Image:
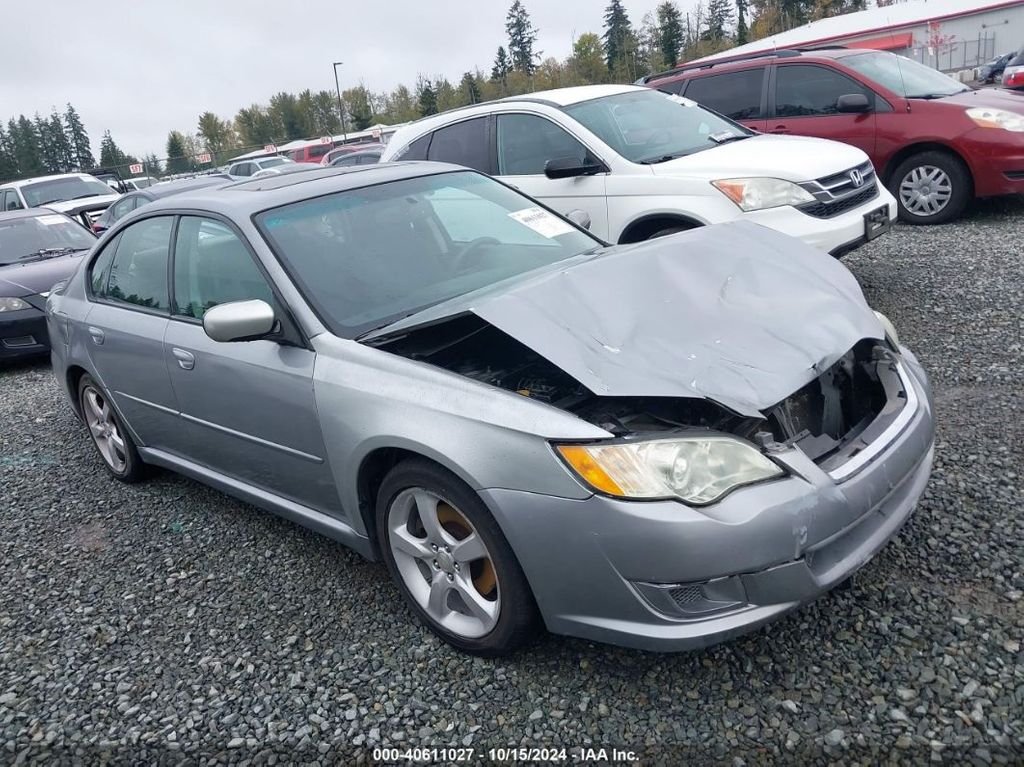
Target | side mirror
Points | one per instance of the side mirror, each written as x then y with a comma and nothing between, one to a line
579,217
567,167
239,321
852,103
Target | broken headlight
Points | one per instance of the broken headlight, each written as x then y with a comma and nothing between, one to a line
760,193
697,470
890,330
12,304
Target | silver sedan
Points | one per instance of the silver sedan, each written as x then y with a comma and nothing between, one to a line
659,445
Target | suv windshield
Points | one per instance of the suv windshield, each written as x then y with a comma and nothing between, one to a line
903,76
367,257
272,162
647,126
27,236
59,189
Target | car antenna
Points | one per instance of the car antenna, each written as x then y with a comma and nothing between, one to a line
899,64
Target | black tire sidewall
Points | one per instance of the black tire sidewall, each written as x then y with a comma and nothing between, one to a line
959,177
134,467
517,621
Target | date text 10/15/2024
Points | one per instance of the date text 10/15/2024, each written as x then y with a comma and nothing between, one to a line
454,754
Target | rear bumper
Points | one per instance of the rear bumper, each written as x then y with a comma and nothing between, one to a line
663,576
23,334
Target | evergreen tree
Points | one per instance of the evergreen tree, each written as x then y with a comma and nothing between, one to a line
176,160
426,98
742,32
618,39
502,66
8,163
670,32
48,151
62,148
217,135
111,155
469,90
151,165
26,147
284,111
719,19
521,37
360,110
78,139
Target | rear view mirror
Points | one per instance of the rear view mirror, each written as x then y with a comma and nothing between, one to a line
239,321
853,102
567,167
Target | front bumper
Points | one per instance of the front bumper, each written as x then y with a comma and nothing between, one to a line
837,235
996,158
664,576
23,334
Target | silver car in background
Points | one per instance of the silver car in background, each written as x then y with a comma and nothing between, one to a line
660,445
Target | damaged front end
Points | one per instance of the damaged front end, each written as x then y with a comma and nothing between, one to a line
831,419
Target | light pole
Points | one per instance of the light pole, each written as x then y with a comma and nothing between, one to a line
341,107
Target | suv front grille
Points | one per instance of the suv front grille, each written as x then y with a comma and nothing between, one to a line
840,192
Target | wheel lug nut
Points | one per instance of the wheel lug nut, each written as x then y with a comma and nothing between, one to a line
436,565
433,546
457,566
451,577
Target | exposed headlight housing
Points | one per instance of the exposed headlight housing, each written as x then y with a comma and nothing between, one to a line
696,470
12,305
760,193
985,117
890,330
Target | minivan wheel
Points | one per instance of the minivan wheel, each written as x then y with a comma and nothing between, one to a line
109,436
931,188
451,561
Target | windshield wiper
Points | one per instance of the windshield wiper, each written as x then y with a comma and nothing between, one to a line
83,196
42,253
932,96
663,158
718,139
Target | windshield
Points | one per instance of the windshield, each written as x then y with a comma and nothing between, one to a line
367,257
20,237
904,76
272,162
141,183
59,189
650,126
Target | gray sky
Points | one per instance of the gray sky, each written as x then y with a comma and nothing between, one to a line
139,68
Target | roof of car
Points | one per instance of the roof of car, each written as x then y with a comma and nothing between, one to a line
166,188
752,59
244,198
27,213
566,96
26,181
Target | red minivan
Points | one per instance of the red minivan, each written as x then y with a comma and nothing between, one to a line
935,142
311,152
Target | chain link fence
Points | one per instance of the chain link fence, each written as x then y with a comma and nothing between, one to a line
956,55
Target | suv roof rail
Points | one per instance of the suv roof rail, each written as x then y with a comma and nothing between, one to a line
781,53
811,49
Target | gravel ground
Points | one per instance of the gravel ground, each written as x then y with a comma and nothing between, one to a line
167,622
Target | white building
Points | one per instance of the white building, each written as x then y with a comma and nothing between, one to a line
950,35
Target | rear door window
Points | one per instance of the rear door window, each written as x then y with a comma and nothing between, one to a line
464,143
733,94
138,272
803,90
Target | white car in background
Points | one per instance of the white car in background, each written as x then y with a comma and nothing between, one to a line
643,164
63,192
248,168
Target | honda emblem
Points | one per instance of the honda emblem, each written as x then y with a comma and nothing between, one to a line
857,177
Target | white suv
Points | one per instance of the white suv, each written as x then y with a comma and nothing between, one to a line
641,164
63,192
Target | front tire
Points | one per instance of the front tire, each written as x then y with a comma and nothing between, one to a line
109,437
931,188
451,562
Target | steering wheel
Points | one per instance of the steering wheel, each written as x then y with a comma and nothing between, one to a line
464,257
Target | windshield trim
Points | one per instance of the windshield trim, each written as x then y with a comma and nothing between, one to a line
379,326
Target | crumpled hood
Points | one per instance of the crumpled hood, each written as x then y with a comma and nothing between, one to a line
20,280
792,158
735,313
90,203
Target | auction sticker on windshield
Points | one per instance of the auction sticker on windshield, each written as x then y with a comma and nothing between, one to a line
51,220
681,100
542,222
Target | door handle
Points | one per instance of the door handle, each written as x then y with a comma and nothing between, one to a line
186,360
779,129
97,336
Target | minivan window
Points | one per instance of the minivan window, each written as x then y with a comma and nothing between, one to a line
464,143
733,94
803,90
648,126
527,142
903,76
138,273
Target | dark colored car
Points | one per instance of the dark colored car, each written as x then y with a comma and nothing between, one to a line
992,72
345,149
133,200
367,157
38,248
935,142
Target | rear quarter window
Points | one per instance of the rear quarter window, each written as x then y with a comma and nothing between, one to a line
734,94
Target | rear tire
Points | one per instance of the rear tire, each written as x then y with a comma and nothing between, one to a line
476,598
108,435
931,187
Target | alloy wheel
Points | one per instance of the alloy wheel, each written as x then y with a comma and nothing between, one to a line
925,190
444,563
103,428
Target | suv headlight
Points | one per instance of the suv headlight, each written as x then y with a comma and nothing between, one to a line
760,193
697,470
996,118
12,305
890,330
